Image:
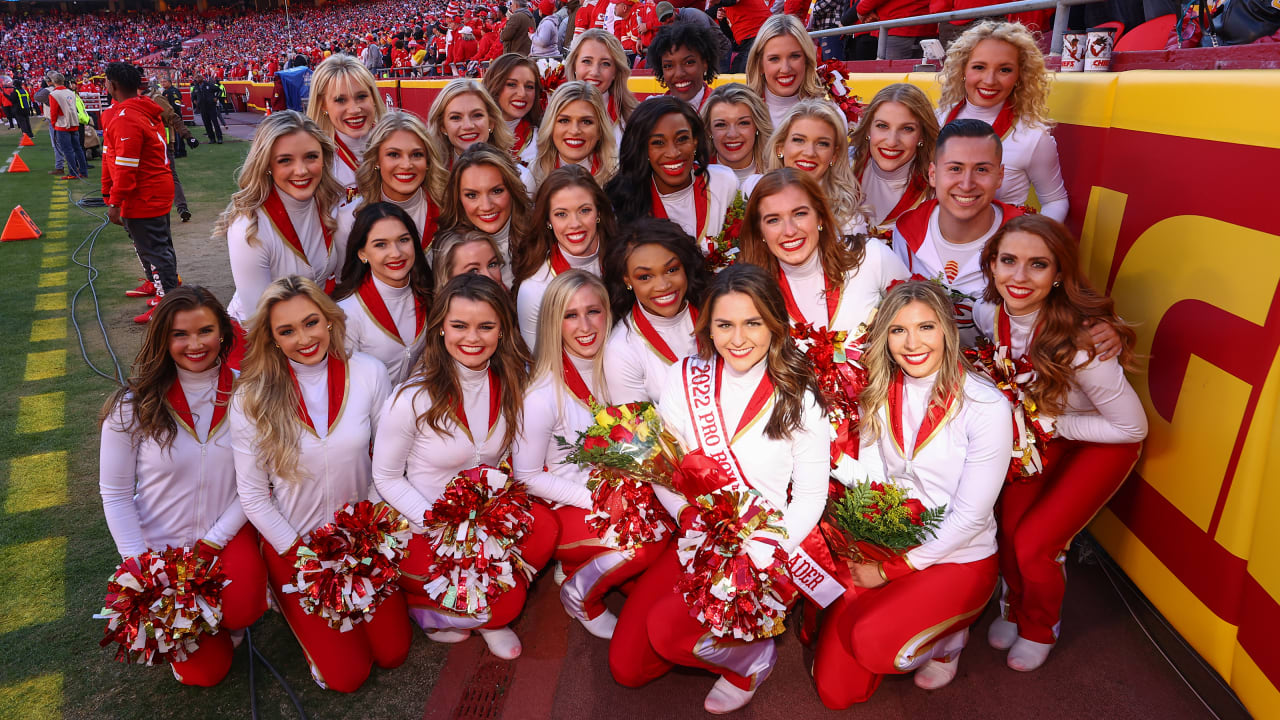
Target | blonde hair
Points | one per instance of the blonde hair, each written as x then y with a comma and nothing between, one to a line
739,94
606,150
777,26
368,177
268,395
913,99
844,194
446,245
618,90
255,174
334,69
879,361
1030,96
549,347
441,150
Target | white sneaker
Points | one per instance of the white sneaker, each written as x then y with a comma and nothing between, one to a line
502,642
725,697
602,626
1027,655
936,674
557,573
448,636
1001,634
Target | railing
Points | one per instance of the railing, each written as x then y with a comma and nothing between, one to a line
883,26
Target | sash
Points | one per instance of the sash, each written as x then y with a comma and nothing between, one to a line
935,418
701,198
911,198
830,294
573,380
376,308
283,226
176,400
345,153
337,385
612,107
651,335
523,133
1003,124
495,399
557,261
702,396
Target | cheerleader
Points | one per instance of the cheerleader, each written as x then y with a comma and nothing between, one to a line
461,115
573,226
782,66
460,410
830,284
462,251
943,436
656,280
576,131
165,467
685,59
394,169
812,138
995,72
597,58
514,83
761,386
485,192
385,289
737,121
347,110
892,147
1037,304
663,172
281,220
302,418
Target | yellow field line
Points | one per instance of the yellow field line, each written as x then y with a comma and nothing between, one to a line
36,482
40,413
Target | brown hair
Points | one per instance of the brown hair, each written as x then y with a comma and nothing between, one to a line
913,99
495,79
452,215
527,256
837,258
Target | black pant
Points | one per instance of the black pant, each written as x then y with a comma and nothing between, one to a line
24,120
154,244
739,63
211,127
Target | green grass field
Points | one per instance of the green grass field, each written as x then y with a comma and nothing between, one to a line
55,551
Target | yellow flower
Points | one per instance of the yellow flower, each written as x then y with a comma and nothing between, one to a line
643,431
604,419
627,414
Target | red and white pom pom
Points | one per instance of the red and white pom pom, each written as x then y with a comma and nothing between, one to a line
625,513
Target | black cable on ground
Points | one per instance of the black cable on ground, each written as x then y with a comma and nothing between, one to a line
92,271
254,653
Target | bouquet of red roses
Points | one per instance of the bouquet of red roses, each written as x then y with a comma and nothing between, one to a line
158,605
346,568
722,250
628,452
874,522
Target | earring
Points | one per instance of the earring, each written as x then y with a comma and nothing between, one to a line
779,156
920,144
819,228
1057,283
499,336
629,288
375,167
441,333
548,226
329,326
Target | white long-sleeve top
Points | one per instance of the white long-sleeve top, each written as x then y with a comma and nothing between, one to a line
860,295
681,206
398,352
343,173
152,496
503,240
797,467
636,372
1101,407
413,465
550,409
529,298
1030,159
333,461
254,267
963,467
883,191
779,107
417,207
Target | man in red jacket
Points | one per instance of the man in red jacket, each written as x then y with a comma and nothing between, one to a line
137,183
745,18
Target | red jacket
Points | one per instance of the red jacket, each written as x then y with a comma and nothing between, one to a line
895,9
136,174
490,47
625,29
463,51
745,18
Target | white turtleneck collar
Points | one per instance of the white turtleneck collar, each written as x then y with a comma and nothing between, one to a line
683,195
985,114
583,262
916,384
309,373
194,380
585,368
390,291
511,124
806,270
298,209
779,106
416,204
355,144
661,323
469,378
745,172
896,179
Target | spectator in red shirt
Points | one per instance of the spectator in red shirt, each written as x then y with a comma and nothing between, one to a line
745,18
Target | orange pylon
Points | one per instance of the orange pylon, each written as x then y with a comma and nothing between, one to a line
26,141
19,227
17,165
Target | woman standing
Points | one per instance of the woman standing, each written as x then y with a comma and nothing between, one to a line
740,127
782,66
812,138
385,289
892,148
460,410
995,72
597,58
515,85
395,169
302,418
461,115
165,467
941,435
347,109
484,192
1040,303
573,223
576,131
656,280
758,407
664,172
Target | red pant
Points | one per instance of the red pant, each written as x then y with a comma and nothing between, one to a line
1037,521
341,660
633,661
536,549
592,569
897,627
243,602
